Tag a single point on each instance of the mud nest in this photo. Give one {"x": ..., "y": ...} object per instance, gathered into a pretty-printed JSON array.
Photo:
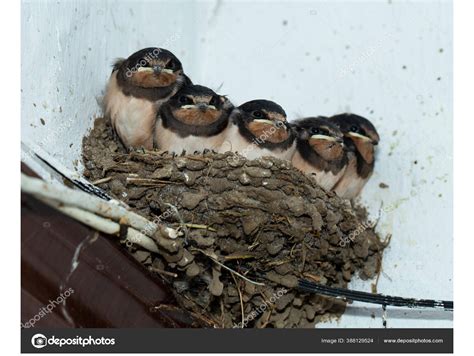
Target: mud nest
[{"x": 263, "y": 219}]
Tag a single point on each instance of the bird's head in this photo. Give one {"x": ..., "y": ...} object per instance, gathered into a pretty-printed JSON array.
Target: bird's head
[
  {"x": 265, "y": 120},
  {"x": 196, "y": 105},
  {"x": 360, "y": 132},
  {"x": 321, "y": 136},
  {"x": 151, "y": 68}
]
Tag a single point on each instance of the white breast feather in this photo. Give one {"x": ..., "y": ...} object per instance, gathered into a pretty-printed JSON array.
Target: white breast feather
[
  {"x": 132, "y": 118},
  {"x": 350, "y": 185},
  {"x": 235, "y": 142},
  {"x": 327, "y": 180},
  {"x": 168, "y": 140}
]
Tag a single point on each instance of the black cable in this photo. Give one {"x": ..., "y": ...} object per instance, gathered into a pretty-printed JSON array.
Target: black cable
[
  {"x": 83, "y": 185},
  {"x": 385, "y": 300}
]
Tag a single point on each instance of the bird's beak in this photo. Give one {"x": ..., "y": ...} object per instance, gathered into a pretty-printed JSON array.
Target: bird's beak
[
  {"x": 365, "y": 146},
  {"x": 362, "y": 137},
  {"x": 201, "y": 106},
  {"x": 145, "y": 69},
  {"x": 264, "y": 121},
  {"x": 157, "y": 69},
  {"x": 192, "y": 106},
  {"x": 324, "y": 137}
]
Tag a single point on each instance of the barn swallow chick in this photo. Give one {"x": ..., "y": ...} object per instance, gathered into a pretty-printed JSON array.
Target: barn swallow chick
[
  {"x": 320, "y": 150},
  {"x": 193, "y": 120},
  {"x": 137, "y": 87},
  {"x": 259, "y": 128},
  {"x": 360, "y": 138}
]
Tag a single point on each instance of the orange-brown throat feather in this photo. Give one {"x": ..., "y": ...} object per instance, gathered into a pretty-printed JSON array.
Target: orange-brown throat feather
[
  {"x": 365, "y": 148},
  {"x": 152, "y": 80},
  {"x": 197, "y": 117},
  {"x": 328, "y": 150},
  {"x": 267, "y": 132}
]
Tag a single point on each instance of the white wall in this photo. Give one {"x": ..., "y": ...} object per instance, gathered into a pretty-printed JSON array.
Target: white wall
[{"x": 390, "y": 61}]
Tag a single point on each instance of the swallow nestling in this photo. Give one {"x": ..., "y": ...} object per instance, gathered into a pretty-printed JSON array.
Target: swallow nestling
[
  {"x": 137, "y": 87},
  {"x": 360, "y": 138},
  {"x": 320, "y": 150},
  {"x": 194, "y": 119},
  {"x": 259, "y": 128}
]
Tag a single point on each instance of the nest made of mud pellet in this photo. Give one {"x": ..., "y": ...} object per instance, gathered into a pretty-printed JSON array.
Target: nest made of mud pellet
[{"x": 262, "y": 219}]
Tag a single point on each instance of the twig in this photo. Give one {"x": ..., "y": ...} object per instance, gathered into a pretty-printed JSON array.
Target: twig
[
  {"x": 149, "y": 181},
  {"x": 229, "y": 269},
  {"x": 292, "y": 249},
  {"x": 238, "y": 256},
  {"x": 313, "y": 277},
  {"x": 181, "y": 221},
  {"x": 385, "y": 243},
  {"x": 241, "y": 299},
  {"x": 238, "y": 274},
  {"x": 102, "y": 180},
  {"x": 303, "y": 256},
  {"x": 199, "y": 226},
  {"x": 269, "y": 311},
  {"x": 161, "y": 271},
  {"x": 278, "y": 262},
  {"x": 222, "y": 314},
  {"x": 386, "y": 240}
]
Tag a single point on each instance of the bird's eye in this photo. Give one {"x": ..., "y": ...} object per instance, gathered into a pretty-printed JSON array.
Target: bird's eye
[
  {"x": 184, "y": 99},
  {"x": 257, "y": 114},
  {"x": 214, "y": 101},
  {"x": 316, "y": 131},
  {"x": 354, "y": 128},
  {"x": 171, "y": 65}
]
